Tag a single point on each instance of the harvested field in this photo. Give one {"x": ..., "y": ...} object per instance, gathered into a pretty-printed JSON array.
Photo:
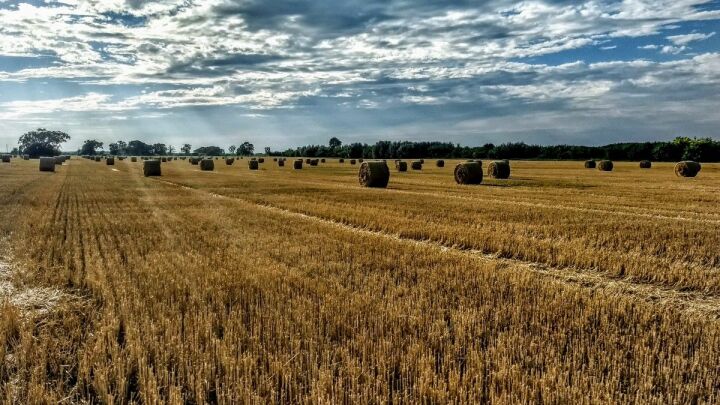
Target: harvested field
[{"x": 278, "y": 285}]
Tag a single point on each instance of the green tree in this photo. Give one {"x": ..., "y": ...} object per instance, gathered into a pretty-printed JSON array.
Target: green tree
[
  {"x": 245, "y": 149},
  {"x": 139, "y": 148},
  {"x": 42, "y": 142},
  {"x": 232, "y": 149},
  {"x": 210, "y": 151},
  {"x": 159, "y": 149},
  {"x": 90, "y": 147},
  {"x": 186, "y": 148},
  {"x": 335, "y": 143}
]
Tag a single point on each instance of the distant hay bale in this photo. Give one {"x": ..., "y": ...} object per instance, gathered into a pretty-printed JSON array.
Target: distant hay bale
[
  {"x": 97, "y": 159},
  {"x": 261, "y": 160},
  {"x": 110, "y": 161},
  {"x": 307, "y": 160},
  {"x": 590, "y": 164},
  {"x": 605, "y": 165},
  {"x": 352, "y": 161},
  {"x": 687, "y": 168},
  {"x": 645, "y": 164},
  {"x": 297, "y": 164},
  {"x": 422, "y": 161},
  {"x": 275, "y": 159},
  {"x": 361, "y": 160},
  {"x": 152, "y": 168},
  {"x": 440, "y": 163},
  {"x": 401, "y": 166},
  {"x": 229, "y": 161},
  {"x": 26, "y": 157},
  {"x": 314, "y": 162},
  {"x": 416, "y": 165},
  {"x": 163, "y": 159},
  {"x": 281, "y": 163},
  {"x": 47, "y": 164},
  {"x": 194, "y": 161},
  {"x": 341, "y": 160},
  {"x": 322, "y": 160},
  {"x": 468, "y": 173},
  {"x": 499, "y": 169},
  {"x": 207, "y": 165},
  {"x": 182, "y": 157},
  {"x": 121, "y": 158},
  {"x": 133, "y": 159},
  {"x": 374, "y": 174},
  {"x": 6, "y": 158},
  {"x": 59, "y": 160},
  {"x": 253, "y": 164}
]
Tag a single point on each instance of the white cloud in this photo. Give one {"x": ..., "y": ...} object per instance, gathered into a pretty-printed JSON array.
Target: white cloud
[{"x": 681, "y": 40}]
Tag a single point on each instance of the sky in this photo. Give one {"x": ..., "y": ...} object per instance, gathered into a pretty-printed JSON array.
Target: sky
[{"x": 290, "y": 73}]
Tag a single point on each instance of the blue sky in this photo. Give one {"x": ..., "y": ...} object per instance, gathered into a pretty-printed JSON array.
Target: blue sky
[{"x": 283, "y": 74}]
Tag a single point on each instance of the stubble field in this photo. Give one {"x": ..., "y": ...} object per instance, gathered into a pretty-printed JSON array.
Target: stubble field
[{"x": 561, "y": 284}]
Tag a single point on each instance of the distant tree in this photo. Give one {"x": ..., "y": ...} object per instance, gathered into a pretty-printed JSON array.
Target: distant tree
[
  {"x": 90, "y": 147},
  {"x": 335, "y": 143},
  {"x": 42, "y": 142},
  {"x": 232, "y": 149},
  {"x": 114, "y": 148},
  {"x": 159, "y": 149},
  {"x": 186, "y": 148},
  {"x": 210, "y": 151},
  {"x": 139, "y": 148},
  {"x": 15, "y": 151},
  {"x": 245, "y": 149},
  {"x": 171, "y": 149},
  {"x": 268, "y": 151}
]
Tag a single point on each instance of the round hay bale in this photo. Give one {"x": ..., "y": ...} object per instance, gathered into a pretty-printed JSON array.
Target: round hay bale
[
  {"x": 341, "y": 160},
  {"x": 416, "y": 165},
  {"x": 261, "y": 160},
  {"x": 97, "y": 159},
  {"x": 47, "y": 164},
  {"x": 440, "y": 163},
  {"x": 163, "y": 159},
  {"x": 253, "y": 164},
  {"x": 133, "y": 159},
  {"x": 645, "y": 164},
  {"x": 590, "y": 164},
  {"x": 59, "y": 160},
  {"x": 281, "y": 163},
  {"x": 468, "y": 173},
  {"x": 605, "y": 165},
  {"x": 308, "y": 160},
  {"x": 110, "y": 161},
  {"x": 322, "y": 160},
  {"x": 229, "y": 161},
  {"x": 207, "y": 165},
  {"x": 314, "y": 162},
  {"x": 26, "y": 157},
  {"x": 361, "y": 160},
  {"x": 401, "y": 166},
  {"x": 194, "y": 161},
  {"x": 297, "y": 164},
  {"x": 374, "y": 174},
  {"x": 687, "y": 168},
  {"x": 352, "y": 161},
  {"x": 422, "y": 161},
  {"x": 499, "y": 169},
  {"x": 152, "y": 168},
  {"x": 275, "y": 159},
  {"x": 5, "y": 158}
]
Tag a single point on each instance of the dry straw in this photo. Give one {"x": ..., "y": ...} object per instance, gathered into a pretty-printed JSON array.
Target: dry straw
[
  {"x": 468, "y": 173},
  {"x": 605, "y": 165},
  {"x": 374, "y": 174},
  {"x": 152, "y": 168},
  {"x": 47, "y": 164},
  {"x": 207, "y": 165},
  {"x": 499, "y": 169},
  {"x": 687, "y": 168}
]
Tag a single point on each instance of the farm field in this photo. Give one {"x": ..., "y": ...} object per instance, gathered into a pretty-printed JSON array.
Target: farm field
[{"x": 560, "y": 284}]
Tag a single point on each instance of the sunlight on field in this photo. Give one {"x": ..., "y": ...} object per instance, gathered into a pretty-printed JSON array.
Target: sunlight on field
[{"x": 560, "y": 284}]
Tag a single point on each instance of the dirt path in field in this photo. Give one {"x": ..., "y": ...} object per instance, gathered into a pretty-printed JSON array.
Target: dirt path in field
[{"x": 691, "y": 302}]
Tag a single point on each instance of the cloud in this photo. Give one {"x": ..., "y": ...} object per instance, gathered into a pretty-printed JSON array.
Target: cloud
[{"x": 685, "y": 39}]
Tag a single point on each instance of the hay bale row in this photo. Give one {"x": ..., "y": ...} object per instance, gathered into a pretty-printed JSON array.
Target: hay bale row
[
  {"x": 152, "y": 168},
  {"x": 468, "y": 173},
  {"x": 47, "y": 164},
  {"x": 499, "y": 169},
  {"x": 374, "y": 174},
  {"x": 687, "y": 168}
]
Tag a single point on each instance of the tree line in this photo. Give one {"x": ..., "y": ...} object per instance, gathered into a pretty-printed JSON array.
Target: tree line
[{"x": 43, "y": 142}]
